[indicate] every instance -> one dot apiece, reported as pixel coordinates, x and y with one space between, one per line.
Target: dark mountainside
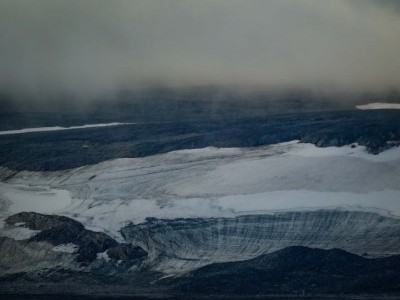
50 151
58 230
157 105
296 270
168 119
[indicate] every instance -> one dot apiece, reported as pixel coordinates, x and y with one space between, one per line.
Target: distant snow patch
57 128
379 105
19 224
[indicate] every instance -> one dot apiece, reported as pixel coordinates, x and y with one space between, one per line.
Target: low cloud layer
89 48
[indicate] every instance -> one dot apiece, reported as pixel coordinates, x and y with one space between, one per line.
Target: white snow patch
16 232
103 255
19 224
57 128
66 248
379 105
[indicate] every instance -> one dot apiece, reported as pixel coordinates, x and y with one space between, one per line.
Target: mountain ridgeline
51 151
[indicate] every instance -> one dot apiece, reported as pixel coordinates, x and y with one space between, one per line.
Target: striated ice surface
181 245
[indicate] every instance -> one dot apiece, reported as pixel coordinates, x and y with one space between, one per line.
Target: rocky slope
295 270
60 242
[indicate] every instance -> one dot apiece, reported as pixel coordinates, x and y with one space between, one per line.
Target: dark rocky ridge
58 230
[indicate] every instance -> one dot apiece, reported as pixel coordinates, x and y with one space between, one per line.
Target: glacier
181 245
210 182
170 214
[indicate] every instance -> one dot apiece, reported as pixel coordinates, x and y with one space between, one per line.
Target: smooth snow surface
212 182
56 128
379 105
19 198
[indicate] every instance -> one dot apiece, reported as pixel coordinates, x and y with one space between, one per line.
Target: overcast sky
91 48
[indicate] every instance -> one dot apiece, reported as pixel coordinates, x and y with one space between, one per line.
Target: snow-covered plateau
211 182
